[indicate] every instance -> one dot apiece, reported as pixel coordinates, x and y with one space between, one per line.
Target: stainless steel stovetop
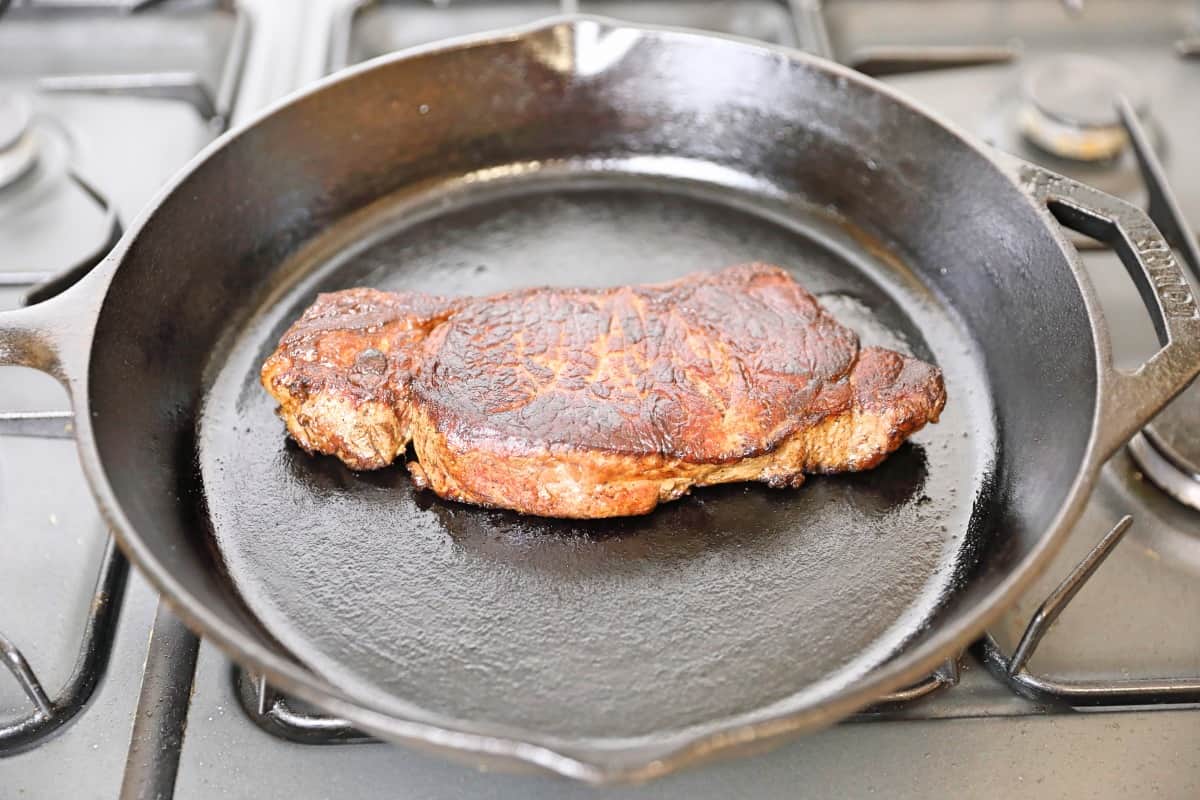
102 100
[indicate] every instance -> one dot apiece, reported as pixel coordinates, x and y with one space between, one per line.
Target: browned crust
597 403
892 398
342 372
711 368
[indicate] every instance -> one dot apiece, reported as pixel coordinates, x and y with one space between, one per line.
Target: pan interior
728 601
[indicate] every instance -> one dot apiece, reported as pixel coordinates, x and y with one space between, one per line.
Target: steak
597 402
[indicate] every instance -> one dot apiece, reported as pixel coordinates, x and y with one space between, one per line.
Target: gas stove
1090 686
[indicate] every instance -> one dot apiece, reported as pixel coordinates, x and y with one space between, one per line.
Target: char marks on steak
597 402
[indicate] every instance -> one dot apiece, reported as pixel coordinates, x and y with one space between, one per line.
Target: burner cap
18 148
1168 450
1070 106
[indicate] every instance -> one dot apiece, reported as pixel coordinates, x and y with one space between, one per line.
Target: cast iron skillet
584 152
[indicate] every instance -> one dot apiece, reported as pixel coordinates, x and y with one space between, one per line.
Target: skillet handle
27 340
54 335
1129 399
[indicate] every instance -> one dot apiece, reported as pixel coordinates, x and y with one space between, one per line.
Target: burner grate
49 284
194 52
1077 694
51 715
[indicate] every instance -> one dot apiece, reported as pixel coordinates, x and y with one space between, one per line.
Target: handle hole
1136 334
1107 233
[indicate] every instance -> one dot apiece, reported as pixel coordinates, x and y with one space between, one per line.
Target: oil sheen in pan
726 601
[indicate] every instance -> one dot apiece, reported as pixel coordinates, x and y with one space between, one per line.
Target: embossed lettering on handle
1165 274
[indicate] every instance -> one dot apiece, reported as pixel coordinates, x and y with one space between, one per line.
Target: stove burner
1069 107
1168 450
18 145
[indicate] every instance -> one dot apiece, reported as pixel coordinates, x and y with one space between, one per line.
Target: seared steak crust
342 372
597 403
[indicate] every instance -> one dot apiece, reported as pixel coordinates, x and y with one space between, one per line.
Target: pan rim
591 764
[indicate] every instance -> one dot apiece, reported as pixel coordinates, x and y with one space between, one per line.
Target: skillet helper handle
1130 399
